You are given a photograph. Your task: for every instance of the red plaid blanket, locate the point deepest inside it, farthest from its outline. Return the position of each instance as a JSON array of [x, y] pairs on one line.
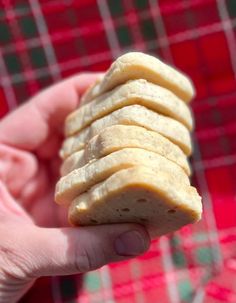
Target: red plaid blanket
[[44, 41]]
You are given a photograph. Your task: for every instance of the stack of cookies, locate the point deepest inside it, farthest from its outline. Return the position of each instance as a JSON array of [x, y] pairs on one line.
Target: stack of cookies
[[126, 148]]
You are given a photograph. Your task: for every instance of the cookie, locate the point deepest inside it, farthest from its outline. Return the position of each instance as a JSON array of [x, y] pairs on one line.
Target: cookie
[[118, 137], [141, 92], [137, 115], [139, 195], [79, 180], [137, 65]]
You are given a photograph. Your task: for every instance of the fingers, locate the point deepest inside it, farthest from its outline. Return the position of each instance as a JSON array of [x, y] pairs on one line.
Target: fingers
[[31, 252], [16, 168], [76, 250], [9, 208], [31, 124]]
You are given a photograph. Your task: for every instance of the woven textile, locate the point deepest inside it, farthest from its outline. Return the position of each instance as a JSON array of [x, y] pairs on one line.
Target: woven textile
[[42, 42]]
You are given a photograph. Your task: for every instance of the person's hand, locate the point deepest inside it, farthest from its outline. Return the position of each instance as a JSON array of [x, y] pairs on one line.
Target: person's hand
[[34, 240]]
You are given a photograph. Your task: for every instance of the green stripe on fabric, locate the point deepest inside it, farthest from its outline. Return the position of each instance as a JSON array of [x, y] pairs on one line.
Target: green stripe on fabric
[[68, 287], [28, 27], [22, 5], [92, 281], [204, 255], [148, 29], [124, 35], [179, 259], [185, 291], [141, 4], [175, 241], [37, 57], [5, 33], [177, 255], [13, 63], [231, 5], [115, 7]]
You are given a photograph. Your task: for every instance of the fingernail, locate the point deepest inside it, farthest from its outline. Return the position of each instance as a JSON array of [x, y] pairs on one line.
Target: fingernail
[[131, 243]]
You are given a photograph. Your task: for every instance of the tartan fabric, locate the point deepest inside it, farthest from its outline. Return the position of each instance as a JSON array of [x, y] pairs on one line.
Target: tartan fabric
[[44, 41]]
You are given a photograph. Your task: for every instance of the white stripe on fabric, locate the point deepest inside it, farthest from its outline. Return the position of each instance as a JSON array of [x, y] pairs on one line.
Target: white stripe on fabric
[[160, 29], [136, 274], [226, 160], [109, 28], [106, 284], [168, 268], [207, 203], [45, 40], [199, 296], [7, 85]]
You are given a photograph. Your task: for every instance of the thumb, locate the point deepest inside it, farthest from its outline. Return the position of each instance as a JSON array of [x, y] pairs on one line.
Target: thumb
[[65, 251]]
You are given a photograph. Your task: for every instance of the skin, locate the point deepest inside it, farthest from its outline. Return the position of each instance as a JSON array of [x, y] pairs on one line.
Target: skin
[[35, 237]]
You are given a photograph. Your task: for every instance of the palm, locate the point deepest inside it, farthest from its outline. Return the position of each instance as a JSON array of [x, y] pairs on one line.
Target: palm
[[33, 136], [40, 202]]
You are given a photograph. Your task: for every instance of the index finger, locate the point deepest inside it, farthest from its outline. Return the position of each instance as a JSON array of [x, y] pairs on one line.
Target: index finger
[[32, 123]]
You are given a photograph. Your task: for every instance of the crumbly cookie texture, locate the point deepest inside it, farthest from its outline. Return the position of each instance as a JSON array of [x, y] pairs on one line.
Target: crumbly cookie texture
[[139, 195], [80, 180], [137, 115], [136, 65], [141, 92], [117, 137]]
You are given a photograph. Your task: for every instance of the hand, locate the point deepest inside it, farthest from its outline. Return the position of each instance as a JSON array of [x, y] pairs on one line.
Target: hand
[[34, 238]]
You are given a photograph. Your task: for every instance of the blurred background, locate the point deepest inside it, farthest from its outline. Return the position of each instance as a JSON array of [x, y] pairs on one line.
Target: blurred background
[[42, 42]]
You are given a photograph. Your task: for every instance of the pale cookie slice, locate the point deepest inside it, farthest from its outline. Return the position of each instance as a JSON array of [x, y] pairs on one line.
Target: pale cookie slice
[[118, 137], [134, 115], [136, 65], [140, 92], [138, 195], [130, 155], [81, 179]]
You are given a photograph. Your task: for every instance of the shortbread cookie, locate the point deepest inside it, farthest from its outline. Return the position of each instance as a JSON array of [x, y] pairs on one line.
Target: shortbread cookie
[[117, 137], [140, 92], [81, 179], [140, 195], [134, 115], [136, 65]]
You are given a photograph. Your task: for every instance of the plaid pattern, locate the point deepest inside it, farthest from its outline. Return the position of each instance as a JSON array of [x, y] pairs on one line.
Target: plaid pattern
[[44, 41]]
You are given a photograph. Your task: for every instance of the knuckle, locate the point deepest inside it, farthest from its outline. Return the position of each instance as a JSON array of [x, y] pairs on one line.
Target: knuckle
[[89, 259], [14, 264], [83, 262]]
